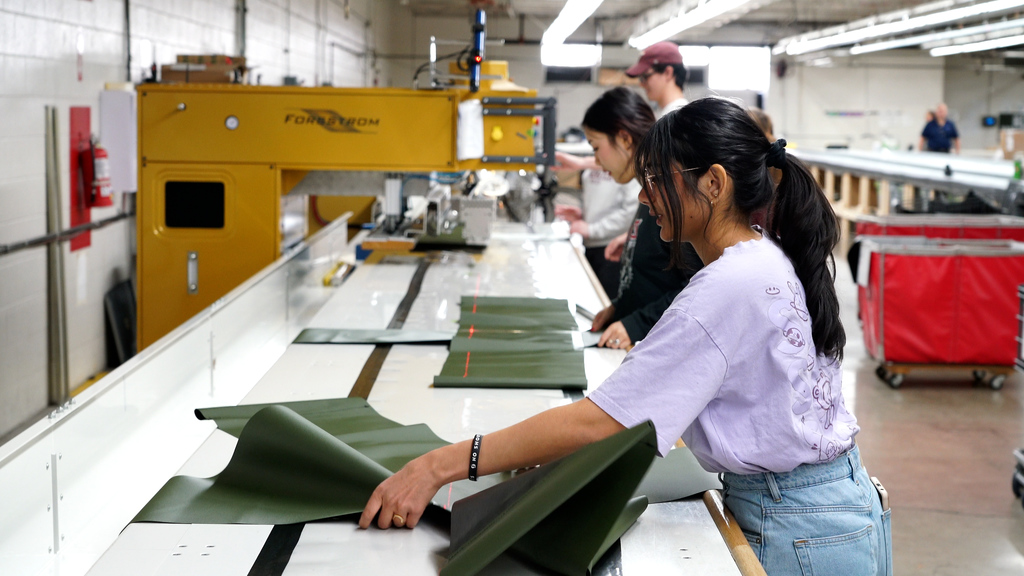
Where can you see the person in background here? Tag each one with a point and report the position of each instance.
(613, 124)
(940, 135)
(662, 75)
(764, 122)
(607, 212)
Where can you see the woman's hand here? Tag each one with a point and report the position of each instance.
(580, 227)
(568, 213)
(602, 318)
(402, 498)
(613, 251)
(570, 162)
(615, 336)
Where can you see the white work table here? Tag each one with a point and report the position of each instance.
(676, 537)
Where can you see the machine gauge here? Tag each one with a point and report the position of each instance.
(231, 123)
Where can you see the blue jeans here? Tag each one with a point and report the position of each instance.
(818, 519)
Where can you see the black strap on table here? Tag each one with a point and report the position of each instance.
(371, 369)
(277, 550)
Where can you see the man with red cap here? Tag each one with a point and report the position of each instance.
(662, 75)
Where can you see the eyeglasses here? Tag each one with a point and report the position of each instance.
(643, 78)
(649, 178)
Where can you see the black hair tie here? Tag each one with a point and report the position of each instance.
(777, 155)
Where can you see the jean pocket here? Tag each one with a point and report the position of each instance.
(853, 554)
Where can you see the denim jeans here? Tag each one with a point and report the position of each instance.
(818, 519)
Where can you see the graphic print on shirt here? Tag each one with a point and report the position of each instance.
(626, 266)
(814, 402)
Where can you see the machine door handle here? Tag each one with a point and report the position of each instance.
(193, 272)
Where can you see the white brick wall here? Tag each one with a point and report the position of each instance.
(38, 67)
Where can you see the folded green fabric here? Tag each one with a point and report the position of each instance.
(559, 369)
(517, 341)
(562, 516)
(491, 312)
(284, 470)
(330, 336)
(334, 415)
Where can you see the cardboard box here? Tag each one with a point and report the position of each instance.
(1011, 141)
(199, 73)
(237, 61)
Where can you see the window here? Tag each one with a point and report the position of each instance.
(194, 204)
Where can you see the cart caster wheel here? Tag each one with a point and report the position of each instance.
(997, 381)
(1017, 487)
(882, 373)
(894, 380)
(979, 375)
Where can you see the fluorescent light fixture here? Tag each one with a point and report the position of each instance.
(574, 13)
(978, 46)
(740, 68)
(686, 20)
(570, 55)
(936, 36)
(901, 26)
(697, 56)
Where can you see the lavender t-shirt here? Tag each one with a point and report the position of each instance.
(731, 368)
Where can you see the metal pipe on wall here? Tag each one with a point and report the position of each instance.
(59, 391)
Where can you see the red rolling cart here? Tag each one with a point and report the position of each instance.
(928, 302)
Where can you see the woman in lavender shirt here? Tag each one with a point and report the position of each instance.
(744, 365)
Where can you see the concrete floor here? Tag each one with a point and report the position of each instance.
(943, 449)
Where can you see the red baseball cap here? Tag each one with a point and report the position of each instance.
(660, 53)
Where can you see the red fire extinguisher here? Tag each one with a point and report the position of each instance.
(94, 164)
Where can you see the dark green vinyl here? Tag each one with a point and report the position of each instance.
(518, 340)
(561, 369)
(516, 313)
(562, 516)
(331, 336)
(284, 470)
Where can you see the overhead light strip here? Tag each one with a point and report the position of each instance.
(901, 26)
(935, 37)
(979, 46)
(574, 13)
(699, 15)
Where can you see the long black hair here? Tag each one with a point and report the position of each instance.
(617, 110)
(800, 219)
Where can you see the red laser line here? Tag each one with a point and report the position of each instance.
(448, 506)
(466, 373)
(470, 331)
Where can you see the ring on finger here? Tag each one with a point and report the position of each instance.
(615, 342)
(398, 521)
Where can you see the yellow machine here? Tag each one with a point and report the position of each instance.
(215, 160)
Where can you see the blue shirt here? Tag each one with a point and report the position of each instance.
(939, 138)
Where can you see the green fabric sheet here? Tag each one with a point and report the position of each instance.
(560, 369)
(518, 340)
(562, 516)
(288, 469)
(515, 343)
(485, 312)
(330, 336)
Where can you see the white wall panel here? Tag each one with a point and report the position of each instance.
(39, 67)
(864, 103)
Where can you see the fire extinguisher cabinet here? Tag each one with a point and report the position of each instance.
(928, 302)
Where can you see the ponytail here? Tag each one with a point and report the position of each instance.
(802, 222)
(800, 219)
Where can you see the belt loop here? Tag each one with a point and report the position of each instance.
(773, 487)
(853, 465)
